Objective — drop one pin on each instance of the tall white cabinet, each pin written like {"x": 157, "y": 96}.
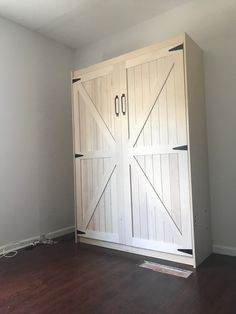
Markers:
{"x": 141, "y": 177}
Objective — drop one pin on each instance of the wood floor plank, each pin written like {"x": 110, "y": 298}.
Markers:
{"x": 69, "y": 279}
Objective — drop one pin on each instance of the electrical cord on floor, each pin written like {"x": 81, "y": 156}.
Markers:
{"x": 9, "y": 254}
{"x": 12, "y": 253}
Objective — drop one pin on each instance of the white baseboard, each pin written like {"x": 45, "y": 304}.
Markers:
{"x": 13, "y": 246}
{"x": 225, "y": 250}
{"x": 60, "y": 232}
{"x": 218, "y": 249}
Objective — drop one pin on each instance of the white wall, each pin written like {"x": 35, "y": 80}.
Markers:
{"x": 36, "y": 188}
{"x": 212, "y": 24}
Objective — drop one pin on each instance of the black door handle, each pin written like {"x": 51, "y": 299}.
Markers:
{"x": 123, "y": 104}
{"x": 117, "y": 106}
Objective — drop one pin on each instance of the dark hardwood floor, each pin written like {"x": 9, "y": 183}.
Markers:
{"x": 68, "y": 279}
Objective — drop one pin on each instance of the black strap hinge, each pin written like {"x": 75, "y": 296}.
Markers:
{"x": 183, "y": 147}
{"x": 187, "y": 251}
{"x": 75, "y": 80}
{"x": 78, "y": 155}
{"x": 80, "y": 232}
{"x": 179, "y": 47}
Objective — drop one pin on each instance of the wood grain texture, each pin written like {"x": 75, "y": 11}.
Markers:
{"x": 157, "y": 123}
{"x": 157, "y": 197}
{"x": 95, "y": 140}
{"x": 98, "y": 68}
{"x": 71, "y": 279}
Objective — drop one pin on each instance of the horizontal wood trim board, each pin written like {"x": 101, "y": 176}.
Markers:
{"x": 144, "y": 252}
{"x": 156, "y": 54}
{"x": 172, "y": 42}
{"x": 96, "y": 74}
{"x": 161, "y": 149}
{"x": 95, "y": 155}
{"x": 103, "y": 236}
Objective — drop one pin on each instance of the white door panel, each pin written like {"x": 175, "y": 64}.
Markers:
{"x": 132, "y": 187}
{"x": 159, "y": 175}
{"x": 96, "y": 168}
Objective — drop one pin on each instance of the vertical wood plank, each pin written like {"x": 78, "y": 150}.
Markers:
{"x": 135, "y": 204}
{"x": 149, "y": 204}
{"x": 114, "y": 213}
{"x": 163, "y": 113}
{"x": 175, "y": 189}
{"x": 107, "y": 204}
{"x": 154, "y": 118}
{"x": 171, "y": 108}
{"x": 180, "y": 100}
{"x": 102, "y": 217}
{"x": 138, "y": 99}
{"x": 147, "y": 131}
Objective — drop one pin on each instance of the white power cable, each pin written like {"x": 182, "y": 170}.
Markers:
{"x": 9, "y": 254}
{"x": 12, "y": 253}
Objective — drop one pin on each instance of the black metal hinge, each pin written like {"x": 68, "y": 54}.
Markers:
{"x": 75, "y": 80}
{"x": 80, "y": 232}
{"x": 183, "y": 147}
{"x": 187, "y": 251}
{"x": 78, "y": 155}
{"x": 179, "y": 47}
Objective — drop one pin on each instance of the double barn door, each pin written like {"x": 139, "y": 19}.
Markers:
{"x": 132, "y": 173}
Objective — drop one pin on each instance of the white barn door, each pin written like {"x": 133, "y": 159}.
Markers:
{"x": 95, "y": 128}
{"x": 159, "y": 175}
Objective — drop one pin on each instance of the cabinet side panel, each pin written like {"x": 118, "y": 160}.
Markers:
{"x": 74, "y": 161}
{"x": 198, "y": 150}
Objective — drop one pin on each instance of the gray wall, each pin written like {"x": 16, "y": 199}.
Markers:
{"x": 35, "y": 135}
{"x": 212, "y": 24}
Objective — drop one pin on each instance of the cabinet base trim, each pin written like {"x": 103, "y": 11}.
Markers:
{"x": 125, "y": 248}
